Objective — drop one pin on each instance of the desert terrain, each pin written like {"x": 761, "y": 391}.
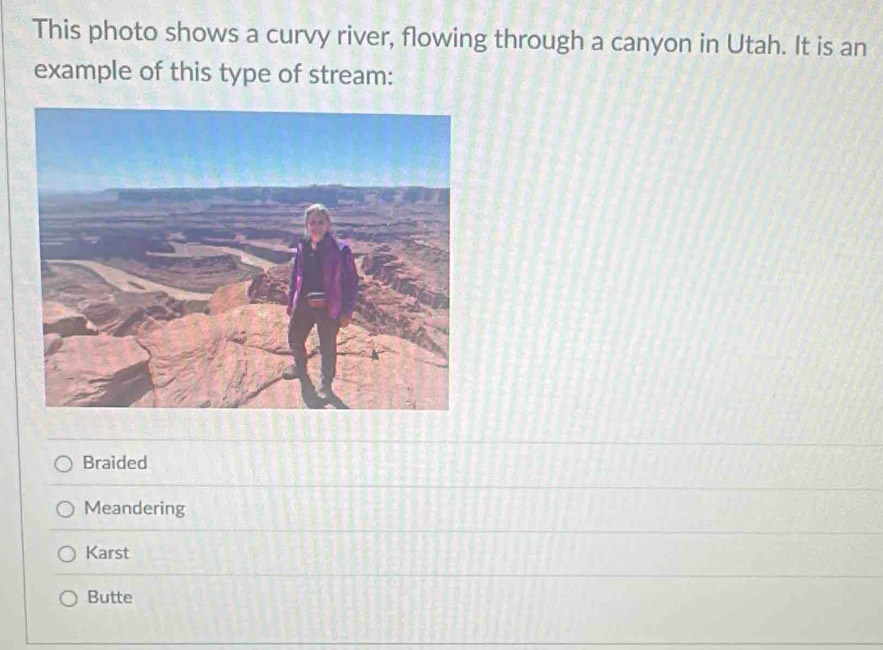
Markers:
{"x": 175, "y": 297}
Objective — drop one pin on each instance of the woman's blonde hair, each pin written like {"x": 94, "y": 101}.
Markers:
{"x": 317, "y": 208}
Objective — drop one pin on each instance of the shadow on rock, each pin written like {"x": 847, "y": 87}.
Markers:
{"x": 335, "y": 402}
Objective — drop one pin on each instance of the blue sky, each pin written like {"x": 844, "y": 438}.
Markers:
{"x": 90, "y": 149}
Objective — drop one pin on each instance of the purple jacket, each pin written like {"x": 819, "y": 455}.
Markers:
{"x": 339, "y": 277}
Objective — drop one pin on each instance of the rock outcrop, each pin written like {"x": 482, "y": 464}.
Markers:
{"x": 51, "y": 343}
{"x": 271, "y": 286}
{"x": 392, "y": 271}
{"x": 110, "y": 310}
{"x": 373, "y": 372}
{"x": 237, "y": 358}
{"x": 62, "y": 320}
{"x": 217, "y": 361}
{"x": 229, "y": 297}
{"x": 386, "y": 312}
{"x": 132, "y": 314}
{"x": 235, "y": 355}
{"x": 97, "y": 370}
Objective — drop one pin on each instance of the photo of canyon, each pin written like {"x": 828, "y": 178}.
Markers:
{"x": 175, "y": 296}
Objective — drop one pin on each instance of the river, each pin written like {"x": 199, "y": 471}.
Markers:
{"x": 128, "y": 282}
{"x": 204, "y": 250}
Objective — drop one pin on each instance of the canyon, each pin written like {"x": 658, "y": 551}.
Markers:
{"x": 175, "y": 297}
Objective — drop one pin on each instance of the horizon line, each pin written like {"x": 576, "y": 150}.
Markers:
{"x": 240, "y": 187}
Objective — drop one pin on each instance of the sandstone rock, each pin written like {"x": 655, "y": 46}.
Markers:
{"x": 395, "y": 380}
{"x": 229, "y": 297}
{"x": 97, "y": 371}
{"x": 111, "y": 318}
{"x": 218, "y": 361}
{"x": 404, "y": 377}
{"x": 110, "y": 310}
{"x": 373, "y": 372}
{"x": 148, "y": 400}
{"x": 271, "y": 286}
{"x": 383, "y": 312}
{"x": 414, "y": 353}
{"x": 132, "y": 314}
{"x": 104, "y": 313}
{"x": 236, "y": 359}
{"x": 51, "y": 343}
{"x": 58, "y": 319}
{"x": 396, "y": 274}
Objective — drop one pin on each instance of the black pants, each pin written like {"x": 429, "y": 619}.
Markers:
{"x": 302, "y": 320}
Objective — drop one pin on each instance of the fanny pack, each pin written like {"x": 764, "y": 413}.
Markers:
{"x": 316, "y": 299}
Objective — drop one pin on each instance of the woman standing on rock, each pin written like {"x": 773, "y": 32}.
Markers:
{"x": 324, "y": 283}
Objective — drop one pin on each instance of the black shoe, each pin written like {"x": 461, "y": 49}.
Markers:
{"x": 325, "y": 393}
{"x": 311, "y": 399}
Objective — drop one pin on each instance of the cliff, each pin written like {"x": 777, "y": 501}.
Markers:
{"x": 236, "y": 359}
